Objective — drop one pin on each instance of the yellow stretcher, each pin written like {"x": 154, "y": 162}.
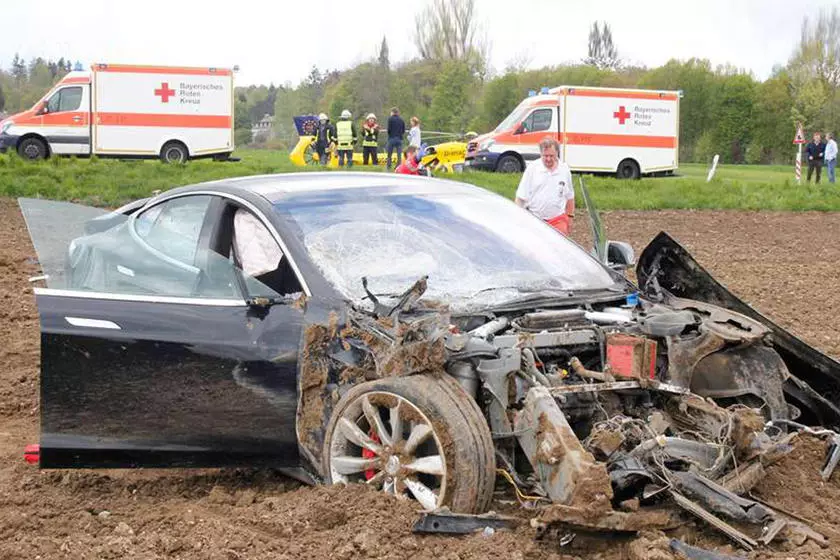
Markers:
{"x": 447, "y": 157}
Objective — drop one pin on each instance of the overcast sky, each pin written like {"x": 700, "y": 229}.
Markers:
{"x": 279, "y": 41}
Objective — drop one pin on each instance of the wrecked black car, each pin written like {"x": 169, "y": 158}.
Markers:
{"x": 418, "y": 335}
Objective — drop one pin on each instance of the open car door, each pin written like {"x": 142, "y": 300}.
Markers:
{"x": 151, "y": 355}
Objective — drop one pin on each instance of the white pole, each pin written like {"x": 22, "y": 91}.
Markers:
{"x": 714, "y": 167}
{"x": 799, "y": 165}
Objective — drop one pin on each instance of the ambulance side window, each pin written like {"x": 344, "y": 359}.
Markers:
{"x": 65, "y": 99}
{"x": 537, "y": 121}
{"x": 71, "y": 98}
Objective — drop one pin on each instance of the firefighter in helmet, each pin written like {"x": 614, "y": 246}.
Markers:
{"x": 370, "y": 133}
{"x": 347, "y": 136}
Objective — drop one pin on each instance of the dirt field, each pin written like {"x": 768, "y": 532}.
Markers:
{"x": 784, "y": 264}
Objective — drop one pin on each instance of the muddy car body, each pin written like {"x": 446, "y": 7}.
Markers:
{"x": 416, "y": 335}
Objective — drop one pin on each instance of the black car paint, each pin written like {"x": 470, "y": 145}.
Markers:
{"x": 102, "y": 405}
{"x": 665, "y": 264}
{"x": 102, "y": 402}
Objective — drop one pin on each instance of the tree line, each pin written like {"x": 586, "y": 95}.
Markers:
{"x": 450, "y": 87}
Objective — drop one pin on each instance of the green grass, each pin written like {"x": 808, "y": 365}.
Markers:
{"x": 106, "y": 182}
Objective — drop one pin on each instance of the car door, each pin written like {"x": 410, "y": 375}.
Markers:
{"x": 167, "y": 366}
{"x": 536, "y": 126}
{"x": 66, "y": 120}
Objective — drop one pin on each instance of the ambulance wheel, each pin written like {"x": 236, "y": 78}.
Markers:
{"x": 628, "y": 169}
{"x": 174, "y": 152}
{"x": 508, "y": 164}
{"x": 33, "y": 149}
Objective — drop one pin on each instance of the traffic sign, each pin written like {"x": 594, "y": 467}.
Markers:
{"x": 800, "y": 135}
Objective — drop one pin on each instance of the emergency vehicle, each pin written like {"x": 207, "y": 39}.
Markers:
{"x": 174, "y": 113}
{"x": 629, "y": 132}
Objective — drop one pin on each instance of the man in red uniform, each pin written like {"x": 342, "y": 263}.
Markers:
{"x": 411, "y": 163}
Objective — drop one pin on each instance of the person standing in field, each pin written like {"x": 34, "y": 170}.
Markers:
{"x": 346, "y": 133}
{"x": 831, "y": 157}
{"x": 396, "y": 131}
{"x": 815, "y": 150}
{"x": 414, "y": 133}
{"x": 324, "y": 138}
{"x": 370, "y": 133}
{"x": 546, "y": 188}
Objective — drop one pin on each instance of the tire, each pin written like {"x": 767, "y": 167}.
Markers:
{"x": 33, "y": 149}
{"x": 509, "y": 164}
{"x": 628, "y": 169}
{"x": 457, "y": 454}
{"x": 174, "y": 152}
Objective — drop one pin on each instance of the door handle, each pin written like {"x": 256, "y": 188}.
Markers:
{"x": 77, "y": 119}
{"x": 92, "y": 323}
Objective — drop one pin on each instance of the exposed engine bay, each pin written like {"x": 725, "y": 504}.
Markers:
{"x": 606, "y": 414}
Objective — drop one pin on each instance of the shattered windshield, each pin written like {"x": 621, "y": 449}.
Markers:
{"x": 478, "y": 249}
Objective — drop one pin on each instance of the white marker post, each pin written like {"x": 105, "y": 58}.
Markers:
{"x": 714, "y": 168}
{"x": 799, "y": 139}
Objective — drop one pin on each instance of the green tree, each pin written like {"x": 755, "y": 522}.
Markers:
{"x": 698, "y": 83}
{"x": 241, "y": 122}
{"x": 384, "y": 61}
{"x": 449, "y": 111}
{"x": 732, "y": 112}
{"x": 773, "y": 122}
{"x": 500, "y": 97}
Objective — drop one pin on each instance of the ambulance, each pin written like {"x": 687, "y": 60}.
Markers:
{"x": 626, "y": 132}
{"x": 117, "y": 110}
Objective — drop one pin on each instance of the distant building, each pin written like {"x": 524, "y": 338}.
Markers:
{"x": 263, "y": 129}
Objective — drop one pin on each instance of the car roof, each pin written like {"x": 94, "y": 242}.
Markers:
{"x": 278, "y": 186}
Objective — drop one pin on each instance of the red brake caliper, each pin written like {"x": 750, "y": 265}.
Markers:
{"x": 368, "y": 454}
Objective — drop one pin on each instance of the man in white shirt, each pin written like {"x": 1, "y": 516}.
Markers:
{"x": 831, "y": 157}
{"x": 546, "y": 188}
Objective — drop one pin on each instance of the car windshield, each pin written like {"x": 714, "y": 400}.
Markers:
{"x": 513, "y": 118}
{"x": 477, "y": 248}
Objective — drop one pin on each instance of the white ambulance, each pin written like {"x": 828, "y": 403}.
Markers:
{"x": 628, "y": 132}
{"x": 115, "y": 110}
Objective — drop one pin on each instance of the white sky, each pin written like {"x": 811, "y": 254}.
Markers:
{"x": 279, "y": 40}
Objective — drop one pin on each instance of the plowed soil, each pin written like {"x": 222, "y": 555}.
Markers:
{"x": 785, "y": 264}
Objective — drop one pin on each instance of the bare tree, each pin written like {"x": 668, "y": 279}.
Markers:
{"x": 602, "y": 51}
{"x": 449, "y": 30}
{"x": 818, "y": 52}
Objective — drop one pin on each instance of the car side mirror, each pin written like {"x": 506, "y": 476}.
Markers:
{"x": 620, "y": 255}
{"x": 43, "y": 110}
{"x": 520, "y": 128}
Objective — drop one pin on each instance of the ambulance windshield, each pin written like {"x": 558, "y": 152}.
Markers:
{"x": 513, "y": 118}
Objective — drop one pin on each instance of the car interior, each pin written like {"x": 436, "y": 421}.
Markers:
{"x": 244, "y": 241}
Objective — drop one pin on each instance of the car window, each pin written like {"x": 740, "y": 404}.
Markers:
{"x": 260, "y": 259}
{"x": 71, "y": 99}
{"x": 173, "y": 227}
{"x": 65, "y": 99}
{"x": 52, "y": 103}
{"x": 538, "y": 121}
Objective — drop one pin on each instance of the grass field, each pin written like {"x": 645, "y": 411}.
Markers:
{"x": 112, "y": 182}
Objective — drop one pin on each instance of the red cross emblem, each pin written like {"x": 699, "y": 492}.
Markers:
{"x": 165, "y": 93}
{"x": 622, "y": 115}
